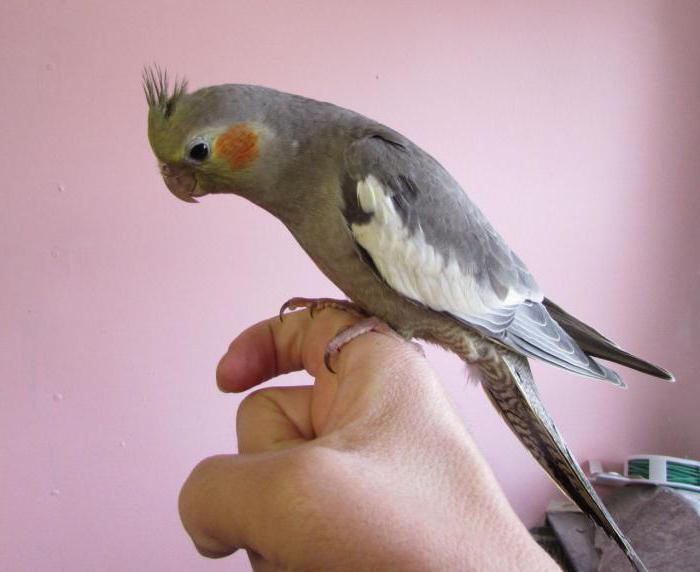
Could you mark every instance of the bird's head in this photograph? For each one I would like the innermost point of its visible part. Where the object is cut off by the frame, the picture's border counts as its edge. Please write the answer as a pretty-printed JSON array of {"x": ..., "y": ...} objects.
[{"x": 210, "y": 141}]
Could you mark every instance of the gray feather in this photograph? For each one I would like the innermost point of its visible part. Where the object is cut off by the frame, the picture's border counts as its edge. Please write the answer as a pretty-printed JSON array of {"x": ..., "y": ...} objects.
[
  {"x": 534, "y": 332},
  {"x": 596, "y": 344},
  {"x": 512, "y": 391}
]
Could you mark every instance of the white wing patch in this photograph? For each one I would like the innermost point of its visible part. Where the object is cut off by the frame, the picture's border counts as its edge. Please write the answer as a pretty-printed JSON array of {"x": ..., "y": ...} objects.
[{"x": 415, "y": 268}]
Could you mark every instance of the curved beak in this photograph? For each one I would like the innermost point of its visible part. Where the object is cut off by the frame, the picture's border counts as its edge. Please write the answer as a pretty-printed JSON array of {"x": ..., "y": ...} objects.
[{"x": 181, "y": 182}]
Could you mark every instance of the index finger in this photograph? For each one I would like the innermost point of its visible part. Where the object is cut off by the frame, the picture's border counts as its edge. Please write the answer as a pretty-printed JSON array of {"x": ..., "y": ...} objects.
[{"x": 274, "y": 347}]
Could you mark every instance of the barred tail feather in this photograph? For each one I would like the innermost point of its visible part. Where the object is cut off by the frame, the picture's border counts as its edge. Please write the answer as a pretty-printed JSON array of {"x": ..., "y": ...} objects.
[{"x": 509, "y": 385}]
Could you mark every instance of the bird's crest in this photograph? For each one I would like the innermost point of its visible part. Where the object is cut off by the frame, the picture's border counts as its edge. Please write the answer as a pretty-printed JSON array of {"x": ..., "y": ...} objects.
[{"x": 157, "y": 89}]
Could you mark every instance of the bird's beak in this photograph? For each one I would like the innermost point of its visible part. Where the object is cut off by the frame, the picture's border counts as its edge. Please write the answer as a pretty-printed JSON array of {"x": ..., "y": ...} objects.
[{"x": 181, "y": 182}]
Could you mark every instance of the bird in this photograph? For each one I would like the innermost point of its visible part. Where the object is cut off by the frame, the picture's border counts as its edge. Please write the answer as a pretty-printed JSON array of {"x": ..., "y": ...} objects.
[{"x": 398, "y": 235}]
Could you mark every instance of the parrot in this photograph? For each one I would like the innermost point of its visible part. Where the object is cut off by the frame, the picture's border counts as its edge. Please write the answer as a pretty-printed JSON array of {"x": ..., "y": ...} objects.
[{"x": 397, "y": 234}]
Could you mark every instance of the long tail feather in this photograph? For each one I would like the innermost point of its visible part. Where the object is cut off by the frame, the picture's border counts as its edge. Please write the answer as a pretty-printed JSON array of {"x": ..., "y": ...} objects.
[
  {"x": 509, "y": 385},
  {"x": 596, "y": 344}
]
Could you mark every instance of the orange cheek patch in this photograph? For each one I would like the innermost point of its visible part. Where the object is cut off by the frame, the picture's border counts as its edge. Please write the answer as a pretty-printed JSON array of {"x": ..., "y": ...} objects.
[{"x": 239, "y": 145}]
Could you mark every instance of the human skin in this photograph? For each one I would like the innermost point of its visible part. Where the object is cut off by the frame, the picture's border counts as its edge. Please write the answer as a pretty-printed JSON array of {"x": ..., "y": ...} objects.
[{"x": 369, "y": 468}]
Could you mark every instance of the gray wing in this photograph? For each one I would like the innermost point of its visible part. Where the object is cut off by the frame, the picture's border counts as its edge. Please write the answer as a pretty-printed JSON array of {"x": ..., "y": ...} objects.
[
  {"x": 597, "y": 345},
  {"x": 429, "y": 242}
]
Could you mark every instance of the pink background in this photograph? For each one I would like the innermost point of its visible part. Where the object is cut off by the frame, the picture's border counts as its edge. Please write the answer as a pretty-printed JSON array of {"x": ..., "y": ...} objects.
[{"x": 575, "y": 126}]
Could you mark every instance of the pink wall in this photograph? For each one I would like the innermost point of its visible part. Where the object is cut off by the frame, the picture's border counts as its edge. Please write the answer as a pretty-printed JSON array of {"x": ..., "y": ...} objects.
[{"x": 576, "y": 127}]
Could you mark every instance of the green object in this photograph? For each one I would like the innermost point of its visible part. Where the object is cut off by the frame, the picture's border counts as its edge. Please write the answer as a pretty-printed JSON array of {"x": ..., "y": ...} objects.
[
  {"x": 683, "y": 473},
  {"x": 662, "y": 470},
  {"x": 639, "y": 468}
]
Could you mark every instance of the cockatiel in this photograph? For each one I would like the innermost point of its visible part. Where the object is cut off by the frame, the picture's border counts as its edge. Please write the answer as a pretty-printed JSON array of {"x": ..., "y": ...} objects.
[{"x": 395, "y": 232}]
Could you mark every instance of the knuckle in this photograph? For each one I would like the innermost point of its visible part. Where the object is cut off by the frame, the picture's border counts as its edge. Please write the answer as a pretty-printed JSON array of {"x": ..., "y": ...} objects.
[
  {"x": 210, "y": 548},
  {"x": 192, "y": 506},
  {"x": 189, "y": 501}
]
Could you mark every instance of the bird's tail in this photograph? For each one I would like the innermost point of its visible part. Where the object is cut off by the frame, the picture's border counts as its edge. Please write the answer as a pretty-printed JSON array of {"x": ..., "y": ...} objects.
[
  {"x": 596, "y": 344},
  {"x": 508, "y": 382}
]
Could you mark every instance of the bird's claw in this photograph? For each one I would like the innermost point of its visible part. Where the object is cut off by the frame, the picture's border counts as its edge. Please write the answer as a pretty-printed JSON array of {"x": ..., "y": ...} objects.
[
  {"x": 316, "y": 304},
  {"x": 347, "y": 333}
]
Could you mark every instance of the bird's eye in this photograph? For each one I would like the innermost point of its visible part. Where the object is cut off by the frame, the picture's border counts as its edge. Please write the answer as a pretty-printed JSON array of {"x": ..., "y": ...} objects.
[{"x": 199, "y": 152}]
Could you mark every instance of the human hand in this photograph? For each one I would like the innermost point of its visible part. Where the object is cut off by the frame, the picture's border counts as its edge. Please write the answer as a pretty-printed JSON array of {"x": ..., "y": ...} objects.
[{"x": 367, "y": 469}]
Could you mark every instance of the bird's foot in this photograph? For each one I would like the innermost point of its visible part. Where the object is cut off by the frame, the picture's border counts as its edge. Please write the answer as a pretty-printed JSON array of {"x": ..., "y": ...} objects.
[
  {"x": 349, "y": 333},
  {"x": 364, "y": 326},
  {"x": 316, "y": 304}
]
